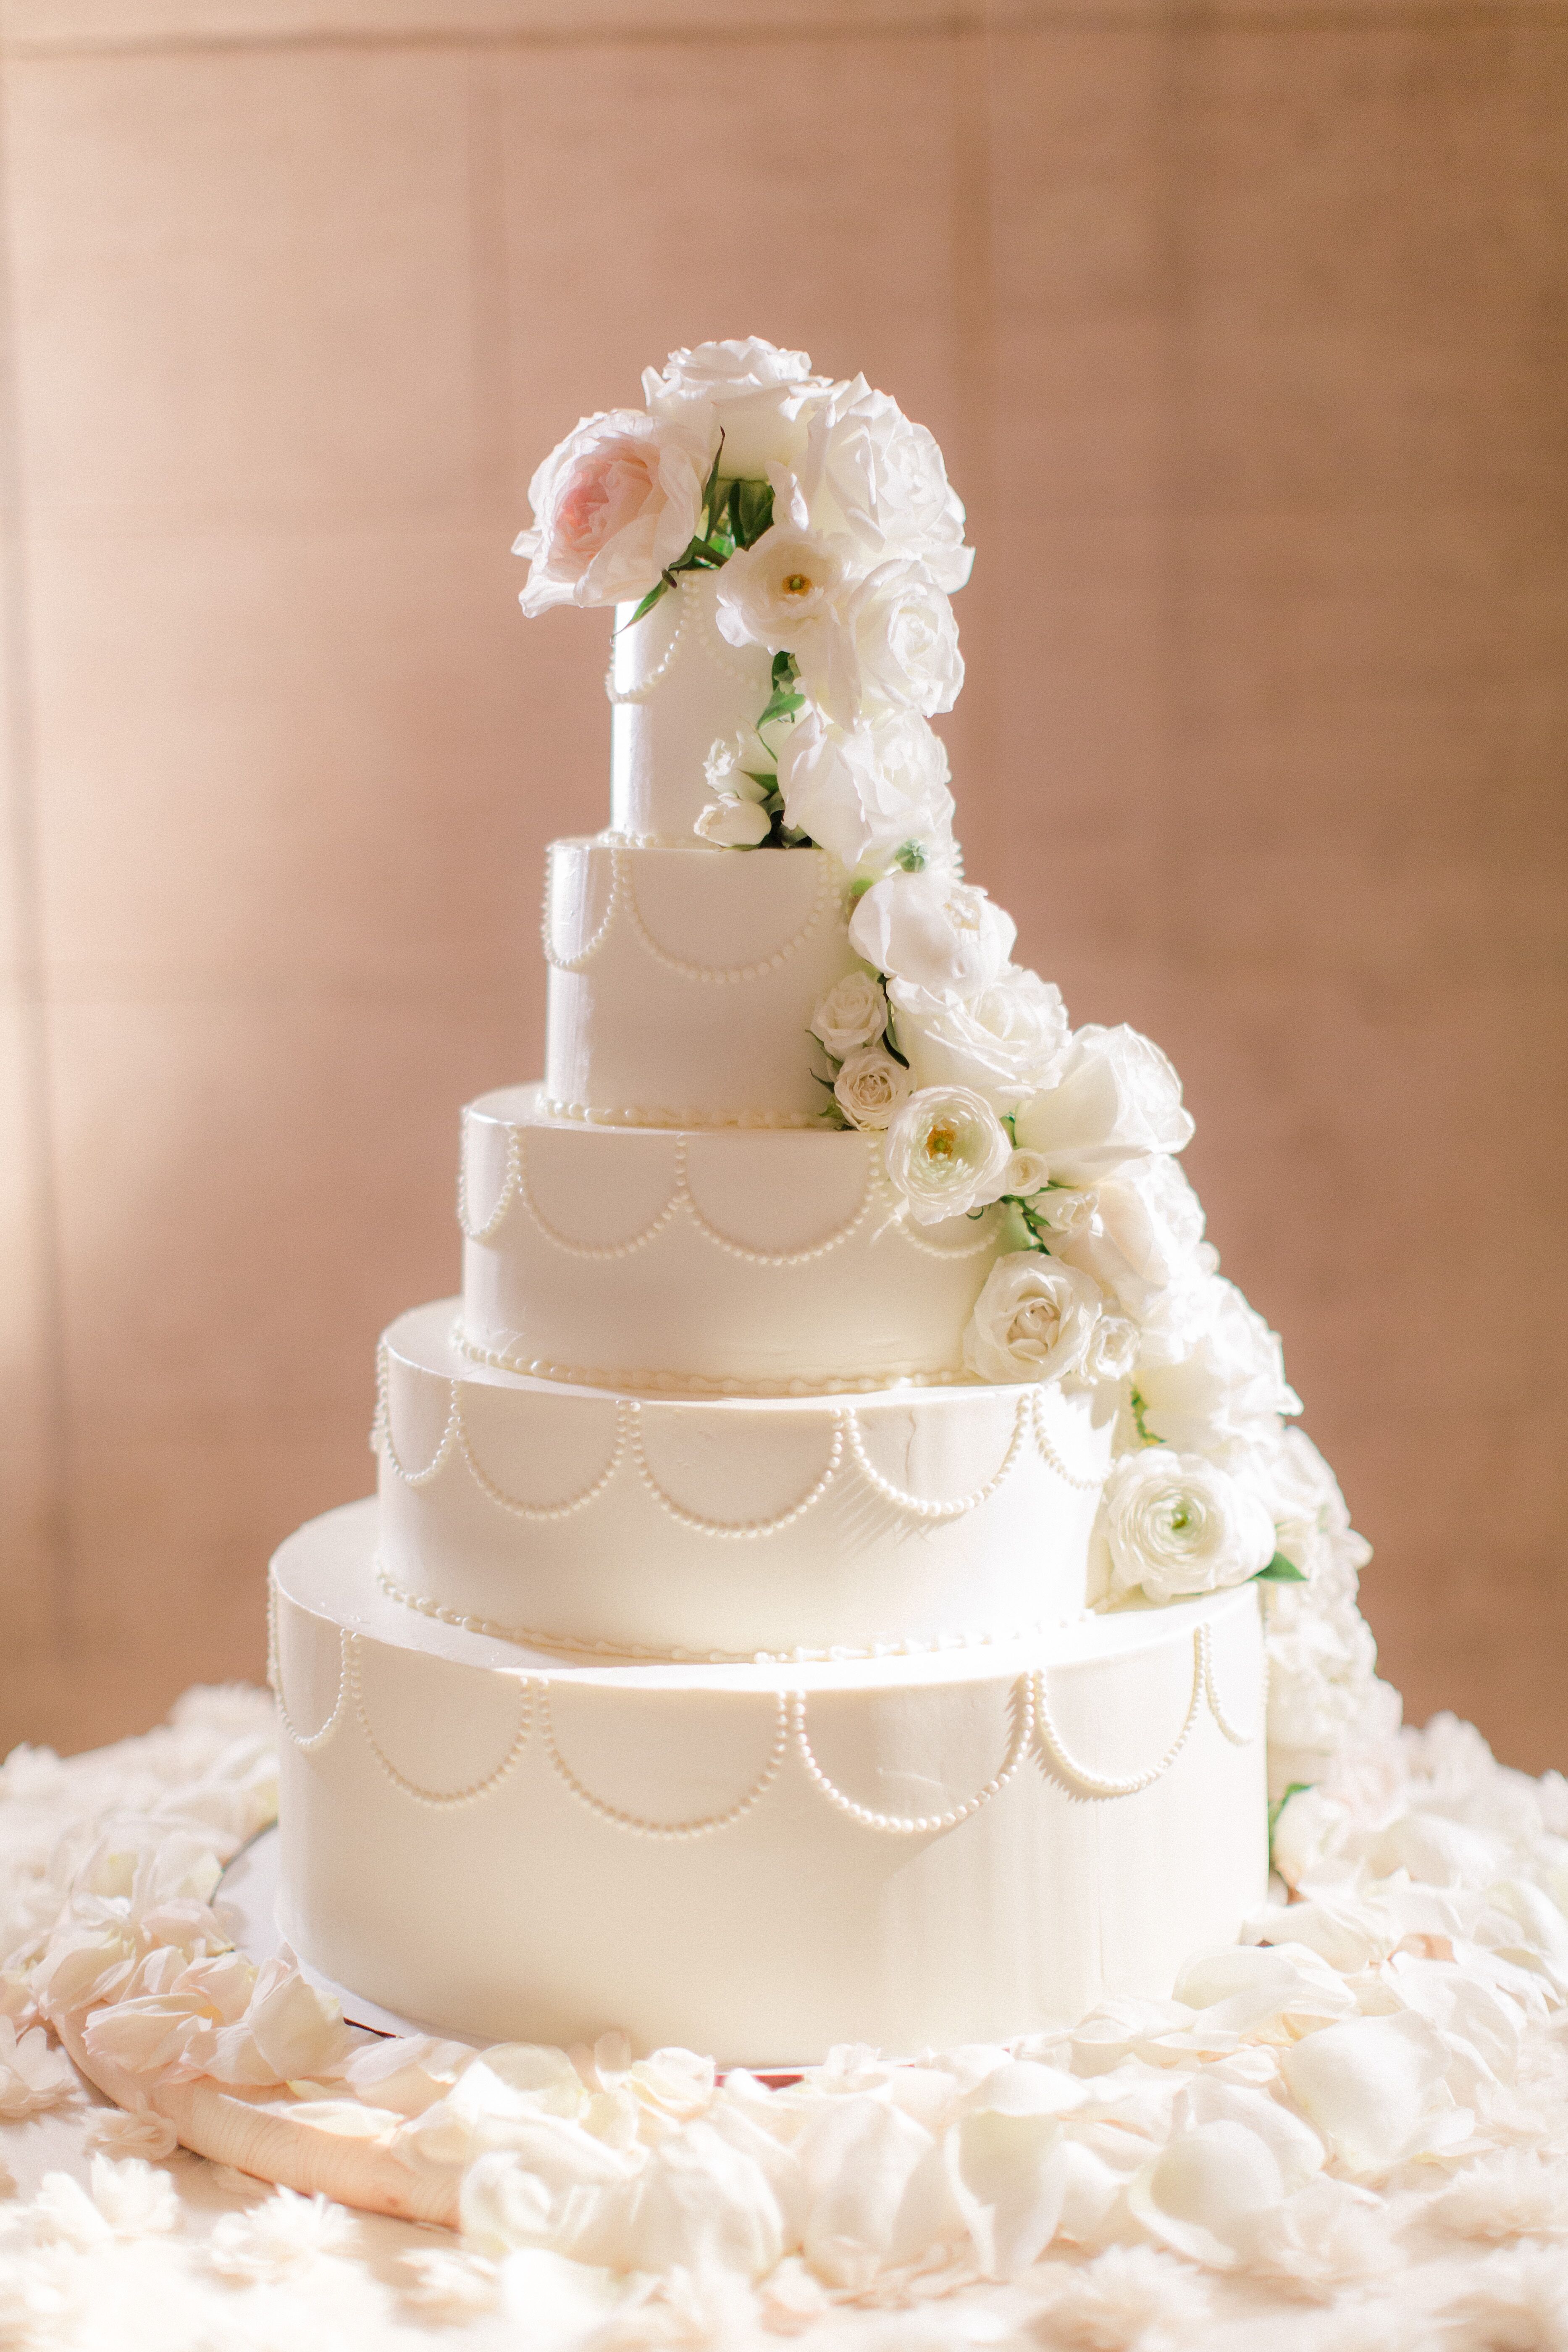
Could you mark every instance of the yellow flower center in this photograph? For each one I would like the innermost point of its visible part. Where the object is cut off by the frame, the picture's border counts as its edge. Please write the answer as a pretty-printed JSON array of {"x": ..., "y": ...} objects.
[
  {"x": 796, "y": 583},
  {"x": 941, "y": 1139}
]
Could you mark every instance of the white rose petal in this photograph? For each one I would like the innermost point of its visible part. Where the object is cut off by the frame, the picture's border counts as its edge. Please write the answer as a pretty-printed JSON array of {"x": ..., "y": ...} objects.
[
  {"x": 1003, "y": 1040},
  {"x": 1226, "y": 1387},
  {"x": 1176, "y": 1524},
  {"x": 760, "y": 397},
  {"x": 734, "y": 765},
  {"x": 853, "y": 1012},
  {"x": 618, "y": 500},
  {"x": 1140, "y": 1234},
  {"x": 1374, "y": 2088},
  {"x": 933, "y": 932},
  {"x": 1034, "y": 1320},
  {"x": 870, "y": 1086},
  {"x": 869, "y": 472},
  {"x": 869, "y": 793},
  {"x": 1113, "y": 1097},
  {"x": 733, "y": 825},
  {"x": 776, "y": 591},
  {"x": 891, "y": 644},
  {"x": 1113, "y": 1350},
  {"x": 947, "y": 1152}
]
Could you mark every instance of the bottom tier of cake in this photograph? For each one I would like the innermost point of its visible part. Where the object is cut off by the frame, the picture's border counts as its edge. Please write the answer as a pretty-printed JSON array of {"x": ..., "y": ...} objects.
[{"x": 758, "y": 1861}]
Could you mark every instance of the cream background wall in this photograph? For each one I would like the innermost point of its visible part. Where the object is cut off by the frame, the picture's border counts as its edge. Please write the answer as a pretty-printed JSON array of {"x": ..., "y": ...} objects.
[{"x": 1243, "y": 327}]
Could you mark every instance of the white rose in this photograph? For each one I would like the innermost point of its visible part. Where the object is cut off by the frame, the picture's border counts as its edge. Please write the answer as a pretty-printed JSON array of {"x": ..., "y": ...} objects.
[
  {"x": 733, "y": 825},
  {"x": 1113, "y": 1350},
  {"x": 1114, "y": 1097},
  {"x": 947, "y": 1152},
  {"x": 762, "y": 399},
  {"x": 1175, "y": 1524},
  {"x": 891, "y": 644},
  {"x": 870, "y": 1086},
  {"x": 1139, "y": 1233},
  {"x": 1033, "y": 1321},
  {"x": 1003, "y": 1040},
  {"x": 1226, "y": 1389},
  {"x": 868, "y": 471},
  {"x": 775, "y": 593},
  {"x": 1028, "y": 1174},
  {"x": 853, "y": 1012},
  {"x": 868, "y": 793},
  {"x": 933, "y": 932},
  {"x": 618, "y": 500}
]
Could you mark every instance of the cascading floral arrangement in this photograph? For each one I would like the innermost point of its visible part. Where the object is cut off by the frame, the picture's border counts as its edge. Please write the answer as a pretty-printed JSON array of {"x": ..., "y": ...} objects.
[{"x": 836, "y": 541}]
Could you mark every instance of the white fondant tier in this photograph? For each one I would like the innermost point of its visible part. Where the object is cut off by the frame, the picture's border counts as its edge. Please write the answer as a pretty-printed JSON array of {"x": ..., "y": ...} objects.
[
  {"x": 715, "y": 1261},
  {"x": 675, "y": 689},
  {"x": 575, "y": 1518},
  {"x": 682, "y": 982},
  {"x": 758, "y": 1861}
]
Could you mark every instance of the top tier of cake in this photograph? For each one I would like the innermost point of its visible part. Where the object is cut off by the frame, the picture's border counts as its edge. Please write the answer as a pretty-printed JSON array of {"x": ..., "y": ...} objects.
[{"x": 676, "y": 688}]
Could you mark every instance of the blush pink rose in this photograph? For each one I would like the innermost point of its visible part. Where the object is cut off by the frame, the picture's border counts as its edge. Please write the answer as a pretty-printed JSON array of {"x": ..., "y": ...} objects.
[{"x": 616, "y": 501}]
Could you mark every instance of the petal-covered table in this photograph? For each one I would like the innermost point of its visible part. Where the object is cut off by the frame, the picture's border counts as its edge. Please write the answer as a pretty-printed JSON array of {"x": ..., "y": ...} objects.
[{"x": 1351, "y": 2131}]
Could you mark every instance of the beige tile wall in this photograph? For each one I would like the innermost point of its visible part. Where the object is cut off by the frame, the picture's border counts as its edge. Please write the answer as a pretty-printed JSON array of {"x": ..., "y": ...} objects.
[{"x": 1243, "y": 327}]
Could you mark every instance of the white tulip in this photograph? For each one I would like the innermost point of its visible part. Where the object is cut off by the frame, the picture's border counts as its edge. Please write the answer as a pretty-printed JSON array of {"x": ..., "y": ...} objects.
[{"x": 733, "y": 825}]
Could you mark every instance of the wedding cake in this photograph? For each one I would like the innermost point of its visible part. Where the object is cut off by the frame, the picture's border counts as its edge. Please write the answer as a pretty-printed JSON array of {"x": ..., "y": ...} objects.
[{"x": 835, "y": 1566}]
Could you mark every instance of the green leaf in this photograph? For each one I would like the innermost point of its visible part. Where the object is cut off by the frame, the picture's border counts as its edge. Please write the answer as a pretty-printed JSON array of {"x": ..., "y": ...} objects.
[
  {"x": 784, "y": 671},
  {"x": 1138, "y": 1409},
  {"x": 780, "y": 707},
  {"x": 1279, "y": 1570},
  {"x": 648, "y": 602},
  {"x": 708, "y": 506},
  {"x": 752, "y": 505},
  {"x": 762, "y": 776}
]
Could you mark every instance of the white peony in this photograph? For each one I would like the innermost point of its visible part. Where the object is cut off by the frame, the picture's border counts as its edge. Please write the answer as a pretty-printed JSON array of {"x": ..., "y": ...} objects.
[
  {"x": 933, "y": 932},
  {"x": 871, "y": 474},
  {"x": 870, "y": 1086},
  {"x": 1226, "y": 1390},
  {"x": 760, "y": 397},
  {"x": 868, "y": 793},
  {"x": 853, "y": 1012},
  {"x": 1175, "y": 1523},
  {"x": 1140, "y": 1232},
  {"x": 892, "y": 644},
  {"x": 1003, "y": 1040},
  {"x": 618, "y": 500},
  {"x": 1033, "y": 1321},
  {"x": 778, "y": 592},
  {"x": 1114, "y": 1097},
  {"x": 947, "y": 1152},
  {"x": 733, "y": 823}
]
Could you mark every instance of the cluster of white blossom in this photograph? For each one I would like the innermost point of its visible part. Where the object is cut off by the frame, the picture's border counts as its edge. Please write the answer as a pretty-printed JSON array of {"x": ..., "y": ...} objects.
[
  {"x": 836, "y": 538},
  {"x": 828, "y": 522}
]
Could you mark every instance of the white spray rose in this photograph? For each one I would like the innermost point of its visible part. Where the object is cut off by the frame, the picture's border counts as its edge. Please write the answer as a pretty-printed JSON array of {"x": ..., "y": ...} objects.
[
  {"x": 1226, "y": 1389},
  {"x": 867, "y": 792},
  {"x": 1114, "y": 1097},
  {"x": 870, "y": 1086},
  {"x": 853, "y": 1012},
  {"x": 932, "y": 931},
  {"x": 1033, "y": 1321},
  {"x": 762, "y": 399},
  {"x": 1113, "y": 1350},
  {"x": 871, "y": 473},
  {"x": 947, "y": 1153},
  {"x": 1175, "y": 1524},
  {"x": 1026, "y": 1174},
  {"x": 619, "y": 499},
  {"x": 733, "y": 823},
  {"x": 1003, "y": 1040},
  {"x": 1139, "y": 1233},
  {"x": 892, "y": 646},
  {"x": 776, "y": 593}
]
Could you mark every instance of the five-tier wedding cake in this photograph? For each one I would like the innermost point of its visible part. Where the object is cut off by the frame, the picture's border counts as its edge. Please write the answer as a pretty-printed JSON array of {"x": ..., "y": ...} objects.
[{"x": 833, "y": 1565}]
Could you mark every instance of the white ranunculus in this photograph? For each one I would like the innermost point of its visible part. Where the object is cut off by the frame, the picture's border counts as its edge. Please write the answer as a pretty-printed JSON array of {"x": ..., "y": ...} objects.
[
  {"x": 1175, "y": 1524},
  {"x": 1034, "y": 1320},
  {"x": 762, "y": 398},
  {"x": 1141, "y": 1231},
  {"x": 870, "y": 1086},
  {"x": 777, "y": 592},
  {"x": 891, "y": 645},
  {"x": 853, "y": 1012},
  {"x": 618, "y": 500},
  {"x": 1226, "y": 1390},
  {"x": 730, "y": 823},
  {"x": 947, "y": 1153},
  {"x": 868, "y": 793},
  {"x": 933, "y": 932},
  {"x": 871, "y": 474},
  {"x": 1003, "y": 1040},
  {"x": 1114, "y": 1097}
]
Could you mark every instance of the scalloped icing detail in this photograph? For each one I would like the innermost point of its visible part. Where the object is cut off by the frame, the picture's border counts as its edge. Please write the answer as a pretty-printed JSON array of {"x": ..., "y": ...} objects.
[{"x": 575, "y": 858}]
